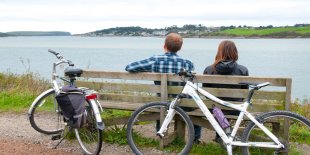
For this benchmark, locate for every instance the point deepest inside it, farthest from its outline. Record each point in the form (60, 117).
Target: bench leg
(276, 128)
(179, 128)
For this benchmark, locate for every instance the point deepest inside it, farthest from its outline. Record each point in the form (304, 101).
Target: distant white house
(160, 33)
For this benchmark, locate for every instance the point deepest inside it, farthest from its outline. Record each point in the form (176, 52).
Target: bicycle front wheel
(89, 135)
(292, 130)
(144, 124)
(45, 115)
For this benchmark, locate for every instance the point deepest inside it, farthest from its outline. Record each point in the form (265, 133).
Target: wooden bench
(129, 91)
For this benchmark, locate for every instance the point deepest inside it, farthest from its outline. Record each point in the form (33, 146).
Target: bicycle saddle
(73, 72)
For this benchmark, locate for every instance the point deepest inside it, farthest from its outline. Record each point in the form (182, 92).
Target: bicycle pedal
(56, 137)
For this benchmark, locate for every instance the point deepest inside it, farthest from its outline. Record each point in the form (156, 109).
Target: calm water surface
(263, 57)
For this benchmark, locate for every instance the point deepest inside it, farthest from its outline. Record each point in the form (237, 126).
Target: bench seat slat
(120, 75)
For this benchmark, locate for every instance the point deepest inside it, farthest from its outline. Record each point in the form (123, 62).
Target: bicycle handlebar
(186, 73)
(60, 57)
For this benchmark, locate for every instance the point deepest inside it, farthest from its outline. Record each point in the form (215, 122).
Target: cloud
(82, 16)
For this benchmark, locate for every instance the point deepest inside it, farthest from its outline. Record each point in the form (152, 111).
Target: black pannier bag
(71, 102)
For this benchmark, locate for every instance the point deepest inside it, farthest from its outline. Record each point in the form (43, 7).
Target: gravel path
(17, 137)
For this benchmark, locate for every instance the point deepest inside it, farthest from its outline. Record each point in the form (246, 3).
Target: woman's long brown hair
(227, 50)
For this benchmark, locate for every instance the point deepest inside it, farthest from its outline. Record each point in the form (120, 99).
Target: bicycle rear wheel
(144, 123)
(298, 136)
(45, 115)
(89, 135)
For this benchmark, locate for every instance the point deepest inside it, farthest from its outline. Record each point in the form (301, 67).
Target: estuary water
(263, 57)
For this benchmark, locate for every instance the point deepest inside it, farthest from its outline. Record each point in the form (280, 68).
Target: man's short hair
(173, 42)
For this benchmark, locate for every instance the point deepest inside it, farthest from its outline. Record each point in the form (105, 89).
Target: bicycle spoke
(142, 132)
(290, 130)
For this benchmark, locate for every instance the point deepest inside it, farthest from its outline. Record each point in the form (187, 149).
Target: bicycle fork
(168, 118)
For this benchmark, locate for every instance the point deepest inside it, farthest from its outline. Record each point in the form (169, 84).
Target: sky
(82, 16)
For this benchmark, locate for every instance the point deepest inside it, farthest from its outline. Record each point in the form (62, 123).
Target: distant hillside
(200, 31)
(38, 33)
(272, 32)
(3, 34)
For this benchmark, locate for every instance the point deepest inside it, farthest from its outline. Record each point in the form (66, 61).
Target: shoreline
(193, 37)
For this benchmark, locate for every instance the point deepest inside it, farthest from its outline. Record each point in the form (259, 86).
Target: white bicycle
(46, 116)
(265, 134)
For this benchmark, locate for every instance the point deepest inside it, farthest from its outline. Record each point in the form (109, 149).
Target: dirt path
(17, 137)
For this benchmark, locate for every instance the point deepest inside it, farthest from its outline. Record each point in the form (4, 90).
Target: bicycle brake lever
(70, 63)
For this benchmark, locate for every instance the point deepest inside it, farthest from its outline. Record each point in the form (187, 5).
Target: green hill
(277, 32)
(38, 33)
(3, 34)
(296, 31)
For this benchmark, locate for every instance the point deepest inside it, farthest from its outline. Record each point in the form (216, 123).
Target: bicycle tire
(299, 133)
(44, 115)
(141, 143)
(89, 135)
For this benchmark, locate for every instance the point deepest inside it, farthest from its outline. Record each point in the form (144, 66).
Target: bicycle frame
(190, 89)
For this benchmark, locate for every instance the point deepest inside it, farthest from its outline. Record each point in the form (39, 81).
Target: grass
(266, 32)
(301, 108)
(113, 113)
(14, 101)
(115, 135)
(210, 148)
(17, 92)
(249, 32)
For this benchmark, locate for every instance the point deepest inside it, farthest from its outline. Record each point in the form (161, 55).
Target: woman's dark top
(227, 68)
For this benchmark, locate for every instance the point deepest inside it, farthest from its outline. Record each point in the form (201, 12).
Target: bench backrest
(139, 88)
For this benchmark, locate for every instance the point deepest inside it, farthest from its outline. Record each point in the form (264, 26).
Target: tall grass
(267, 32)
(301, 107)
(18, 91)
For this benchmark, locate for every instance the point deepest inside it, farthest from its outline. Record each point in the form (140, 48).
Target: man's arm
(141, 66)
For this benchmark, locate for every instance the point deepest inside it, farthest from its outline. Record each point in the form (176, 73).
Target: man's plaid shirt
(168, 63)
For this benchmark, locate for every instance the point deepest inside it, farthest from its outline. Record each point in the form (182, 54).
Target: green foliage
(17, 92)
(15, 101)
(143, 141)
(122, 30)
(209, 148)
(267, 32)
(199, 30)
(113, 113)
(301, 108)
(25, 83)
(300, 134)
(115, 135)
